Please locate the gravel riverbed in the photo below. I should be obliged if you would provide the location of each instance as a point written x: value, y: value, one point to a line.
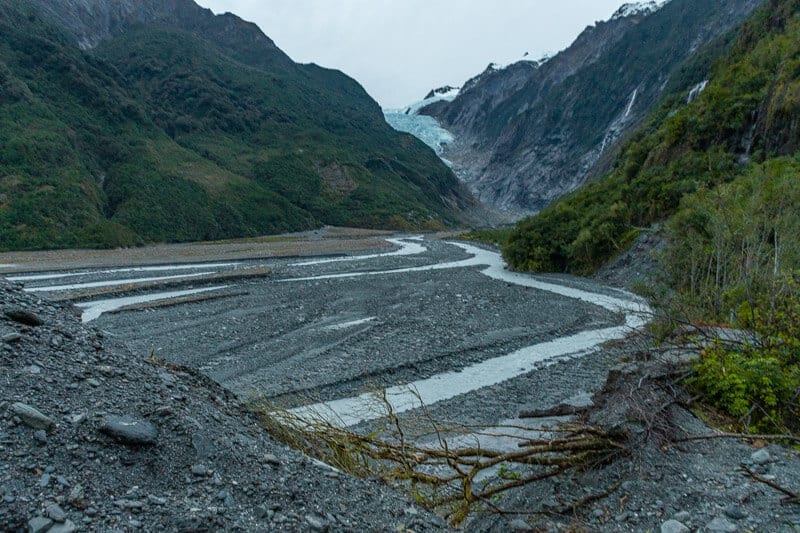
x: 320, y: 329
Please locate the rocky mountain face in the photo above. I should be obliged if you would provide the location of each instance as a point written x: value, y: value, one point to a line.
x: 531, y: 132
x: 125, y: 121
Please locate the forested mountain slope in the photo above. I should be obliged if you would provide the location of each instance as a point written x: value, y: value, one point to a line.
x: 128, y: 121
x: 534, y: 131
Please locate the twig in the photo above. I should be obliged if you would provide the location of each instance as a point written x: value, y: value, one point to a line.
x: 589, y: 499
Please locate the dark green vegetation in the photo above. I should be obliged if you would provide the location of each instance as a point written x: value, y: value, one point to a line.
x: 158, y: 134
x: 725, y: 172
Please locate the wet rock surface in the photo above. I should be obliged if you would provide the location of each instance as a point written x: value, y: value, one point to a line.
x: 83, y: 475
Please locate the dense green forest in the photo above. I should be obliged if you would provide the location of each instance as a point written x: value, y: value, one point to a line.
x: 724, y: 173
x: 158, y: 134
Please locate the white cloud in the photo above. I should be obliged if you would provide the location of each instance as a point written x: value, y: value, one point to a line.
x: 399, y: 49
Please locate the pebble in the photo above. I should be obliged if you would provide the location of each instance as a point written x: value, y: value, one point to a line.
x: 129, y: 430
x: 200, y: 470
x: 682, y: 516
x: 10, y: 338
x: 32, y: 417
x: 155, y: 500
x: 39, y: 524
x: 317, y: 523
x: 722, y: 525
x: 760, y: 457
x: 44, y: 481
x: 518, y: 524
x: 674, y: 526
x: 56, y: 513
x: 735, y: 512
x: 66, y: 527
x: 271, y: 459
x: 40, y: 436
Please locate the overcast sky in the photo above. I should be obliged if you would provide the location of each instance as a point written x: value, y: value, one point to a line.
x: 400, y: 49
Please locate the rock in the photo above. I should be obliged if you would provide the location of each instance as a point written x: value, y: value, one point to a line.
x: 40, y: 436
x: 66, y: 527
x: 39, y: 524
x: 673, y: 526
x: 12, y: 338
x: 518, y: 524
x: 129, y: 430
x: 722, y: 525
x: 226, y: 498
x: 44, y: 481
x: 682, y: 516
x: 271, y: 459
x: 156, y: 500
x: 56, y: 513
x: 735, y: 512
x: 75, y: 419
x: 316, y: 523
x: 31, y: 416
x: 760, y: 457
x: 23, y: 316
x: 200, y: 470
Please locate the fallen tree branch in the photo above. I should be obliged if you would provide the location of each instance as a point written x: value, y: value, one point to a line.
x: 792, y: 497
x: 744, y: 436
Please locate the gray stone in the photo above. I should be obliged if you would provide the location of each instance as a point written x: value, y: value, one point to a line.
x: 203, y: 446
x: 40, y: 436
x: 682, y: 516
x: 129, y: 430
x: 39, y: 524
x: 722, y: 525
x: 23, y: 316
x: 155, y: 500
x: 77, y: 418
x: 10, y: 338
x: 31, y: 416
x: 760, y: 457
x: 271, y: 459
x: 55, y: 513
x: 735, y: 512
x: 673, y: 526
x: 317, y: 523
x: 518, y: 524
x: 200, y: 470
x: 44, y: 481
x: 66, y: 527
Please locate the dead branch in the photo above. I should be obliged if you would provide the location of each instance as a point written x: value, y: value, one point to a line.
x: 791, y: 497
x: 743, y: 436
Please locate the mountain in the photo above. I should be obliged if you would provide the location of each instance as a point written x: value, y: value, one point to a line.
x: 129, y: 121
x: 728, y: 153
x: 530, y: 132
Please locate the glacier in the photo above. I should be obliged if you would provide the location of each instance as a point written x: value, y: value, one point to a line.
x: 425, y: 128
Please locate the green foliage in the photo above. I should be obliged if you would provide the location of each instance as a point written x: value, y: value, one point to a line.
x: 728, y: 244
x: 759, y: 381
x: 498, y: 236
x: 159, y: 134
x: 682, y: 149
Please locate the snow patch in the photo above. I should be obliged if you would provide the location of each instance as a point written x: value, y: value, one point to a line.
x: 639, y: 8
